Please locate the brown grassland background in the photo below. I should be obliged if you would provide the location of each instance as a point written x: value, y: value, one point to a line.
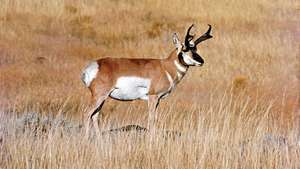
x: 240, y: 110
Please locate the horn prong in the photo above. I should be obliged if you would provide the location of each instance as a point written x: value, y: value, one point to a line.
x: 188, y: 36
x: 205, y: 36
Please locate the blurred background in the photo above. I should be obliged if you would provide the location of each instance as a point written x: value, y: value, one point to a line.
x: 240, y: 110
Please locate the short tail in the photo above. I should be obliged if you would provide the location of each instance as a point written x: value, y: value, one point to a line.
x: 89, y: 73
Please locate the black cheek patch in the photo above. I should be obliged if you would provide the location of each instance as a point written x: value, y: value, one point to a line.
x: 197, y: 58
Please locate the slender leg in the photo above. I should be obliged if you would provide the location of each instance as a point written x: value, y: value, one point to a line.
x: 153, y: 103
x: 87, y: 125
x: 95, y: 118
x: 93, y: 114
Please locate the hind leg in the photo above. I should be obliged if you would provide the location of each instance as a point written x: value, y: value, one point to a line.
x: 92, y: 116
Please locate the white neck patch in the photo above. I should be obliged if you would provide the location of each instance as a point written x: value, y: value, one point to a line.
x: 180, y: 67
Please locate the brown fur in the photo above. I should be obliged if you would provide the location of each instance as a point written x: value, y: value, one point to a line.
x: 164, y: 74
x: 110, y: 69
x: 113, y: 68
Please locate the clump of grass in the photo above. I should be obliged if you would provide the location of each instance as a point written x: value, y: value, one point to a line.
x: 155, y: 29
x: 82, y: 27
x: 71, y: 9
x: 159, y: 26
x: 240, y: 82
x: 36, y: 123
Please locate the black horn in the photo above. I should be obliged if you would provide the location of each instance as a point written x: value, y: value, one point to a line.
x: 204, y: 36
x: 188, y: 37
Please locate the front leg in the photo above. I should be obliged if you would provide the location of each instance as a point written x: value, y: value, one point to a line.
x: 92, y: 116
x: 98, y: 99
x: 153, y: 103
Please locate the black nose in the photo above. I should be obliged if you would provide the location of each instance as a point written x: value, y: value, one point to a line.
x: 198, y: 58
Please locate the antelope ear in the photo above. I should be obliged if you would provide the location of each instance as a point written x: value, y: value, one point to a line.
x: 176, y: 41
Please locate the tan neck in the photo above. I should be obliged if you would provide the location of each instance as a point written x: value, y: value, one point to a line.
x: 174, y: 66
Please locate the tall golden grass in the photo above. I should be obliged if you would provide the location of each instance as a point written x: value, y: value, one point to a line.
x: 237, y: 111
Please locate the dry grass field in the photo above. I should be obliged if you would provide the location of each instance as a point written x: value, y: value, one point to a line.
x: 240, y: 110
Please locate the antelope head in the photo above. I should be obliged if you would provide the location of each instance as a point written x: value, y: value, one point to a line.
x: 187, y: 51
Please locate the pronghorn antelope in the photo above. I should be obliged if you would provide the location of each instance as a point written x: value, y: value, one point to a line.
x: 147, y: 79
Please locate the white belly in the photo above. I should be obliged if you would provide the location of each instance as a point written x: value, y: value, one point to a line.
x: 131, y: 88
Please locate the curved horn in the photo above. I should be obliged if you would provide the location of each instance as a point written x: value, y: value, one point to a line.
x: 205, y: 36
x: 188, y: 37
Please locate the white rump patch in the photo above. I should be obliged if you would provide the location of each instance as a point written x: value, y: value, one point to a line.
x: 131, y: 88
x: 89, y: 73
